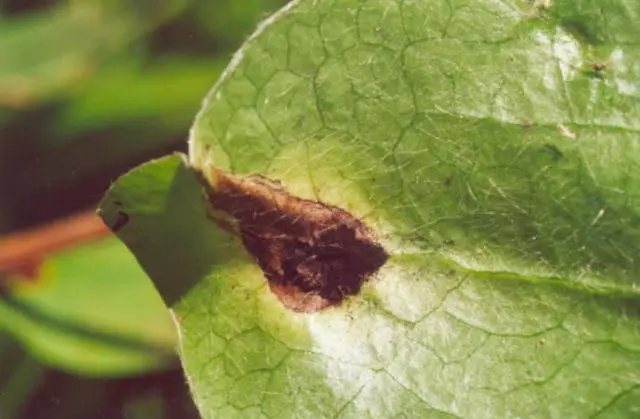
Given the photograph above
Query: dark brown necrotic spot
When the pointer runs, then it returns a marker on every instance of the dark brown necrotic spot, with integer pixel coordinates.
(313, 255)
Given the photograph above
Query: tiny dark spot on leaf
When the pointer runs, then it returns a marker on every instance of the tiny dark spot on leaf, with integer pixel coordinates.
(313, 255)
(121, 221)
(553, 151)
(596, 70)
(598, 66)
(117, 203)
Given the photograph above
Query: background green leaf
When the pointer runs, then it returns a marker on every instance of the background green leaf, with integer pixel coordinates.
(126, 330)
(42, 54)
(500, 171)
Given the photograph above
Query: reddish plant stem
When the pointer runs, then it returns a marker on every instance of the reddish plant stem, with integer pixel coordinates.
(23, 251)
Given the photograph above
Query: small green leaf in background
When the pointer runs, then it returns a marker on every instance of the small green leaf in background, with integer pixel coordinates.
(501, 177)
(44, 54)
(92, 311)
(161, 95)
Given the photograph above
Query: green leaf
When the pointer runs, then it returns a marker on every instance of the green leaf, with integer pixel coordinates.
(498, 167)
(44, 54)
(126, 93)
(93, 311)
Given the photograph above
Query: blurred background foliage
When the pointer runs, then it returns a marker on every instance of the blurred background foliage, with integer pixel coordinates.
(88, 90)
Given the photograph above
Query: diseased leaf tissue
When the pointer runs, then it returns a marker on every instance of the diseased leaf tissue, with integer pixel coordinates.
(313, 255)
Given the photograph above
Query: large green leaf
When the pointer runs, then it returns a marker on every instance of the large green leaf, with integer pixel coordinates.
(492, 146)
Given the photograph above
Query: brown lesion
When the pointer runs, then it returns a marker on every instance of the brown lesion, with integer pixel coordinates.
(313, 255)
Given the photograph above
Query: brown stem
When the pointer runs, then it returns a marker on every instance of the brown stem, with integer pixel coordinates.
(21, 251)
